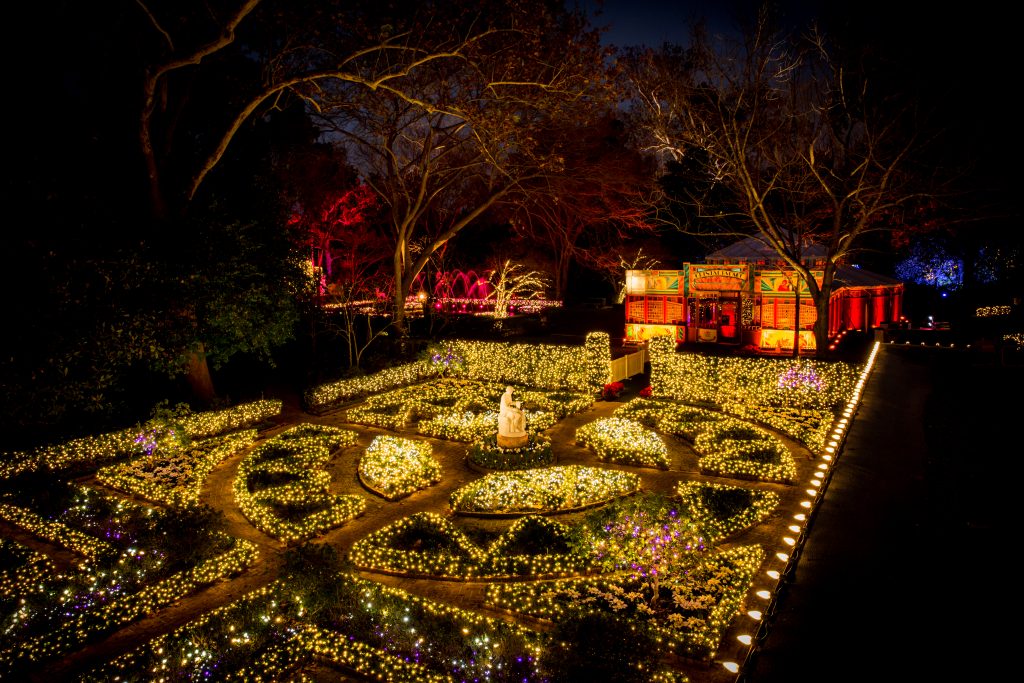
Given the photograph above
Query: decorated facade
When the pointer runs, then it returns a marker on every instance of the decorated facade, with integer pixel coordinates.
(744, 295)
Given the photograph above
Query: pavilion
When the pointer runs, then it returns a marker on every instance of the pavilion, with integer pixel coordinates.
(744, 294)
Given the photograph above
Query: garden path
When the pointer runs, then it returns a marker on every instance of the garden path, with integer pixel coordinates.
(217, 492)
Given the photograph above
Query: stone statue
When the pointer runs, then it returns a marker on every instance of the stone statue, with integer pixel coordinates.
(511, 422)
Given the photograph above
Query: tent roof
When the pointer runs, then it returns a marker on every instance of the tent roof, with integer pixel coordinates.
(755, 248)
(850, 276)
(846, 276)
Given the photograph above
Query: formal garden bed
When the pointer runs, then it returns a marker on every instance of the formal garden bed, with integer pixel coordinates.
(135, 560)
(725, 445)
(633, 575)
(557, 489)
(282, 487)
(429, 545)
(318, 614)
(174, 476)
(460, 409)
(89, 452)
(624, 442)
(393, 467)
(486, 455)
(662, 579)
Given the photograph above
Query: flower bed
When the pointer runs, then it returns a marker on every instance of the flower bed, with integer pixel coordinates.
(394, 468)
(624, 441)
(282, 490)
(174, 478)
(376, 631)
(141, 566)
(461, 410)
(725, 445)
(485, 453)
(733, 448)
(91, 451)
(542, 490)
(722, 510)
(688, 620)
(809, 427)
(428, 545)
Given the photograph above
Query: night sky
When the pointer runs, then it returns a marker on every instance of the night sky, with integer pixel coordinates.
(961, 63)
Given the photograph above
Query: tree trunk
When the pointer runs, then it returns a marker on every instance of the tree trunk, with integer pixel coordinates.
(821, 296)
(821, 324)
(400, 290)
(199, 378)
(796, 317)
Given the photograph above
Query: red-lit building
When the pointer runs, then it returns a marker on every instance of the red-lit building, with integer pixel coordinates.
(745, 295)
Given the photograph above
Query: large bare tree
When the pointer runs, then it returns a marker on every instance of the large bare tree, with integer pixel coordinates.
(600, 199)
(795, 147)
(448, 143)
(479, 76)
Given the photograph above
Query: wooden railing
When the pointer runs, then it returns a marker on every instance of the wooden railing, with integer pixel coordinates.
(629, 365)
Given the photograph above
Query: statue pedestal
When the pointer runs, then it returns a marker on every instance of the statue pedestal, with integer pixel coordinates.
(513, 441)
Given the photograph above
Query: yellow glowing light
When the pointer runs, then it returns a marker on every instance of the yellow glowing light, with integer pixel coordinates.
(731, 667)
(788, 540)
(745, 639)
(773, 574)
(754, 614)
(764, 595)
(782, 556)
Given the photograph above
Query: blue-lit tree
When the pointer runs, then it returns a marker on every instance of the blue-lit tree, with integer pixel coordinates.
(932, 264)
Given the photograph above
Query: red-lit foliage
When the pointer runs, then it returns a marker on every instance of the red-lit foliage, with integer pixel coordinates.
(343, 242)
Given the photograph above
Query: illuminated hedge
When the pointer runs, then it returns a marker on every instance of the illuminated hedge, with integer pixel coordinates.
(581, 369)
(176, 478)
(23, 570)
(119, 610)
(267, 634)
(690, 623)
(722, 510)
(578, 369)
(731, 447)
(248, 629)
(394, 467)
(327, 395)
(426, 544)
(115, 585)
(90, 451)
(213, 422)
(486, 453)
(809, 427)
(697, 378)
(282, 488)
(418, 404)
(57, 532)
(623, 441)
(725, 445)
(460, 409)
(542, 490)
(670, 416)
